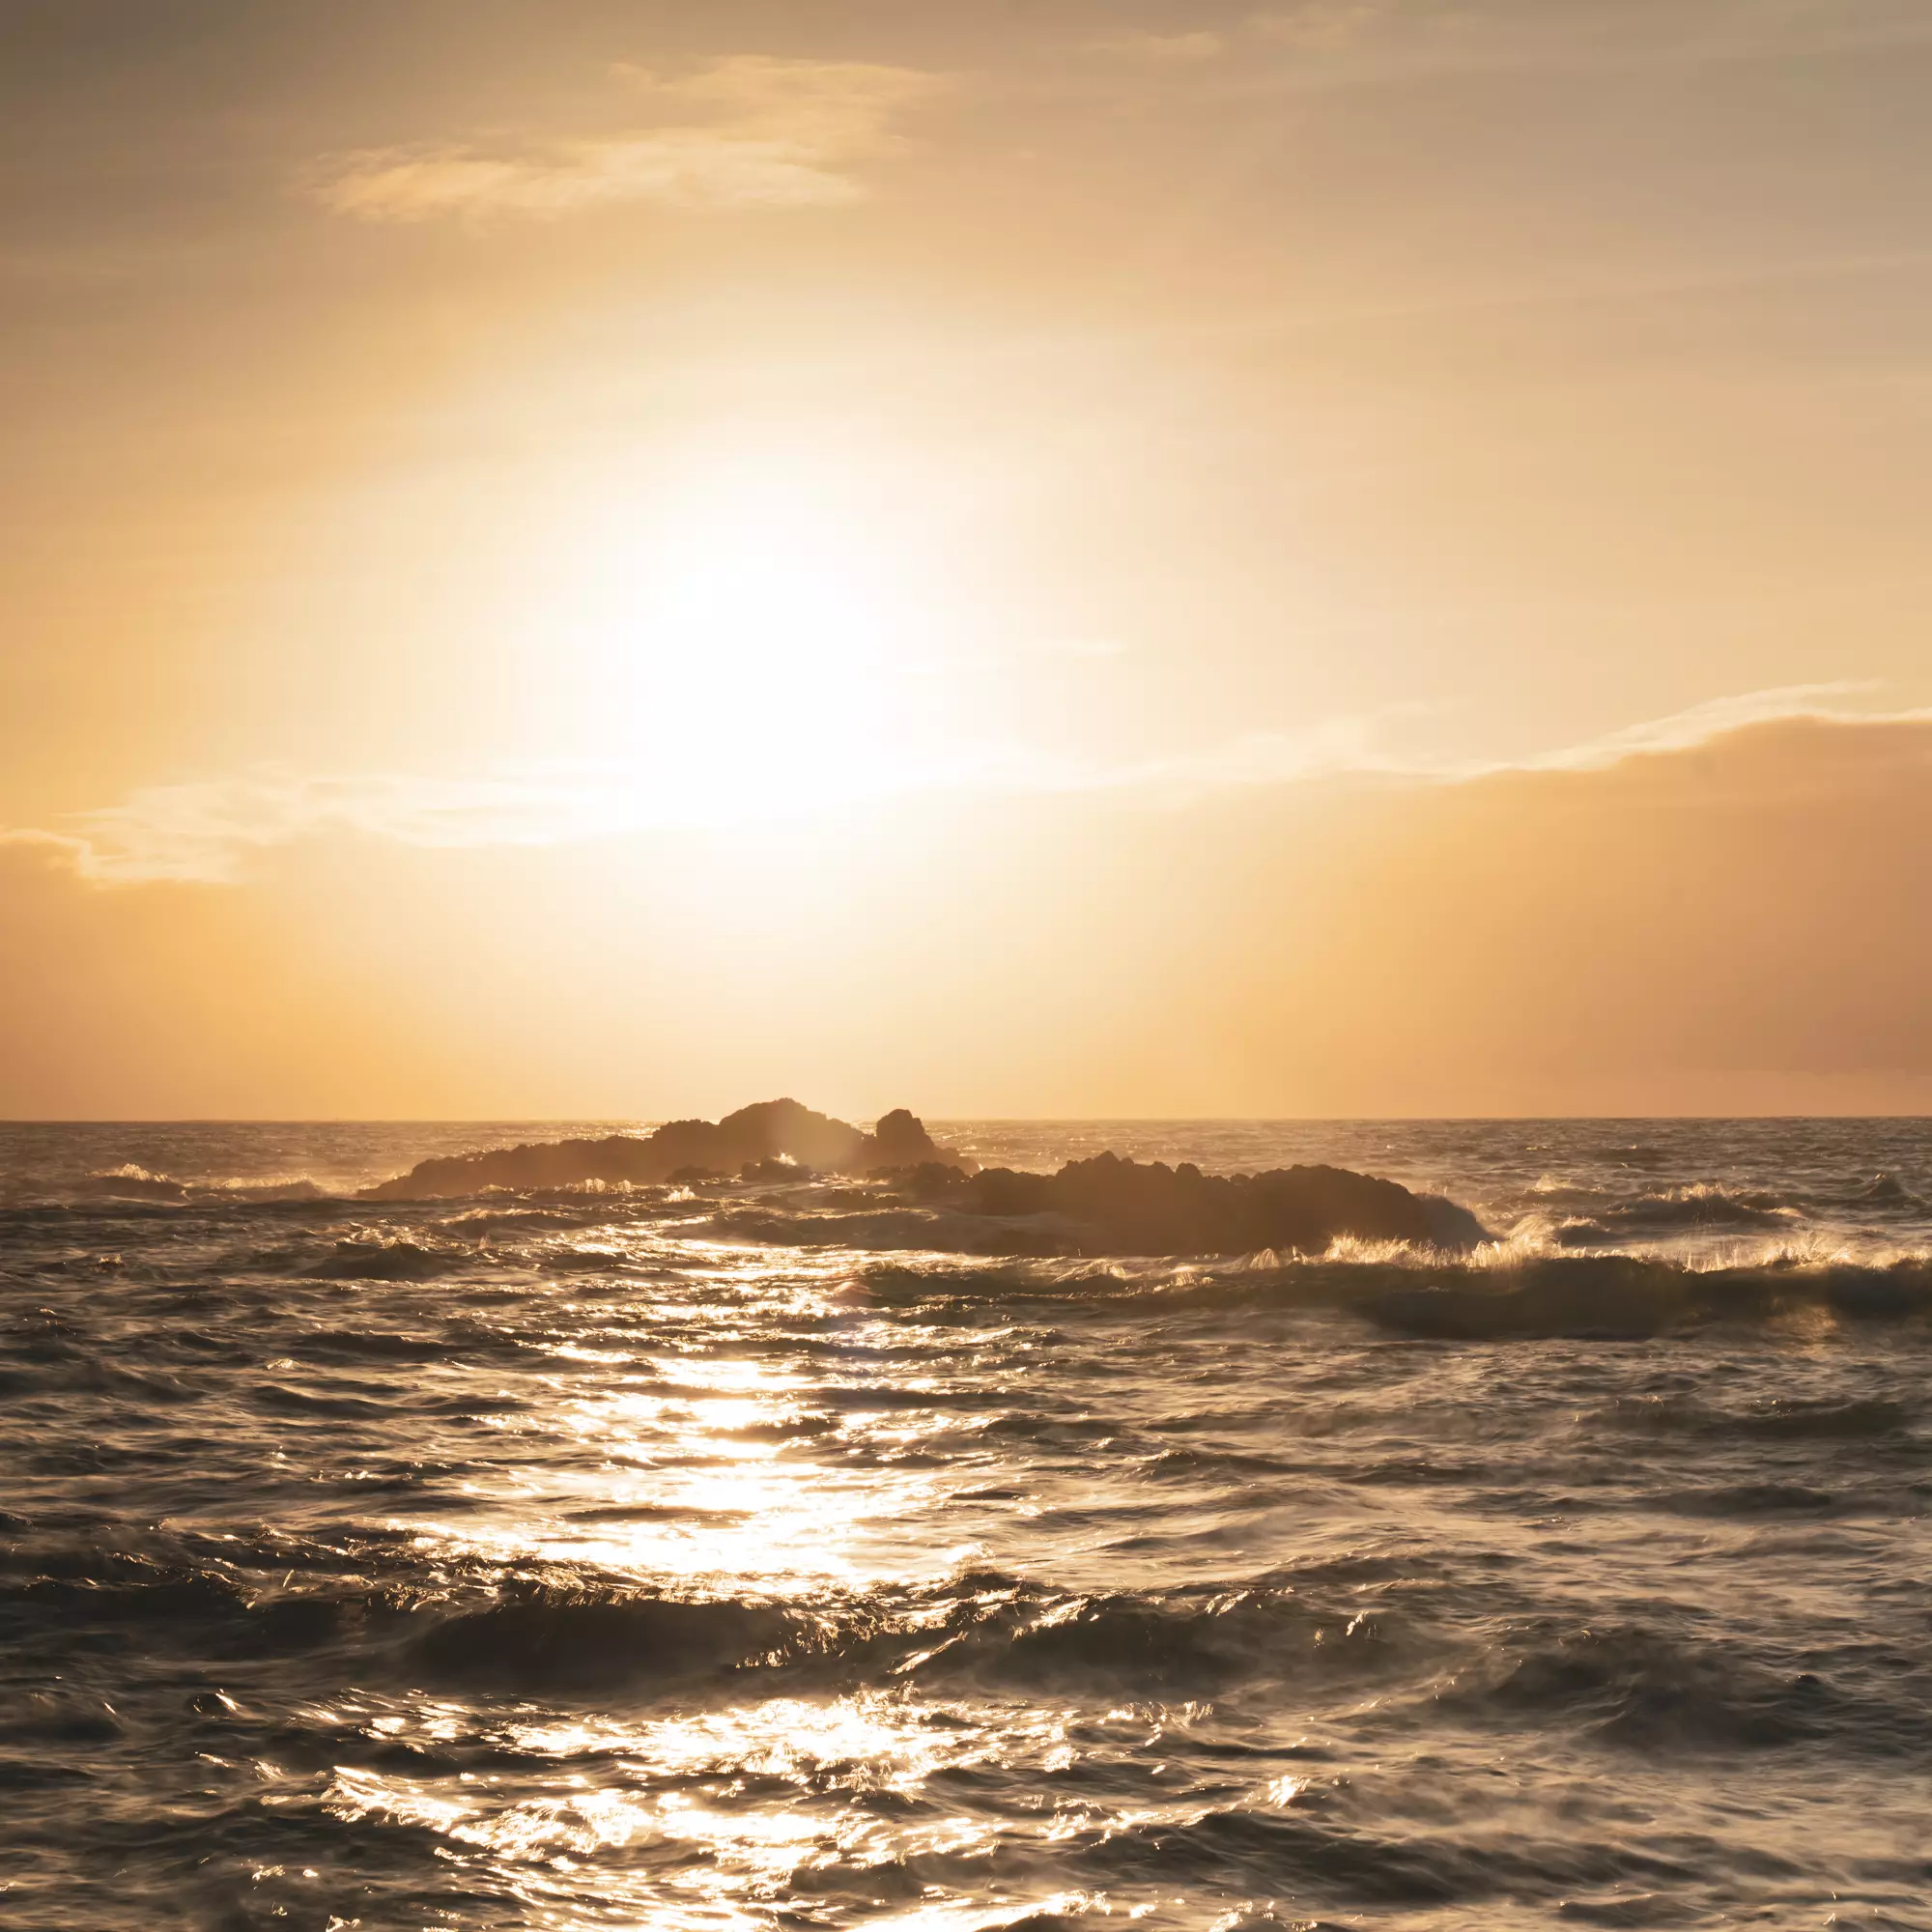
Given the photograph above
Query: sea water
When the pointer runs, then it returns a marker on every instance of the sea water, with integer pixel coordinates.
(723, 1557)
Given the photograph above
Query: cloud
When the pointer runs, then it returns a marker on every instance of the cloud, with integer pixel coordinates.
(840, 108)
(62, 850)
(1733, 925)
(1370, 39)
(207, 832)
(691, 168)
(1178, 48)
(1332, 747)
(1324, 23)
(1355, 745)
(213, 831)
(745, 132)
(1684, 729)
(1729, 923)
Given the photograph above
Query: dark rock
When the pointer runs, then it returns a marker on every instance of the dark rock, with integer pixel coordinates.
(1105, 1206)
(900, 1140)
(928, 1180)
(769, 1131)
(1125, 1206)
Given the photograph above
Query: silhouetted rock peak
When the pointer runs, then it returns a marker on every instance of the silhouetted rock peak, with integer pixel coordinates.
(770, 1136)
(900, 1140)
(1105, 1206)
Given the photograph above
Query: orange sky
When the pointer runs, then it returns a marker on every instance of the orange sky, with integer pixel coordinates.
(592, 558)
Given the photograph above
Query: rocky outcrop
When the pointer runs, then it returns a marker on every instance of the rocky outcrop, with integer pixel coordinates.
(1108, 1205)
(1105, 1206)
(773, 1131)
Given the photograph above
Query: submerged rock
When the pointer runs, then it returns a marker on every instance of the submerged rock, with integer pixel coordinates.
(777, 1134)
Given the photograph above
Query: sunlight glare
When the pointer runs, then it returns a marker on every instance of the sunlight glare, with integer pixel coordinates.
(744, 633)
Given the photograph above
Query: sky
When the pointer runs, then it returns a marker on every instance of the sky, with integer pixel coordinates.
(1332, 557)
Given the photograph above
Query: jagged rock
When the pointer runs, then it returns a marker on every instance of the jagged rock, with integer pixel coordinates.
(780, 1131)
(900, 1140)
(1111, 1206)
(927, 1179)
(1098, 1207)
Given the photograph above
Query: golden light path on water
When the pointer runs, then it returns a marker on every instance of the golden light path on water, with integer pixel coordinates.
(682, 1477)
(837, 1771)
(766, 1557)
(681, 1470)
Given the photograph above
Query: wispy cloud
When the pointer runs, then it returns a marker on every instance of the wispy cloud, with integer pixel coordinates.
(1324, 23)
(211, 831)
(1330, 748)
(60, 846)
(1699, 723)
(215, 831)
(1373, 39)
(1182, 49)
(836, 107)
(207, 831)
(744, 132)
(1358, 745)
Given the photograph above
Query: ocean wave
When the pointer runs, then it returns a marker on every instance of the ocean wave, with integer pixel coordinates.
(1499, 1294)
(1704, 1204)
(568, 1259)
(569, 1636)
(130, 1181)
(1617, 1298)
(1886, 1191)
(1749, 1501)
(401, 1259)
(1680, 1210)
(1348, 1867)
(1789, 1418)
(1637, 1689)
(754, 1548)
(559, 1638)
(1189, 1644)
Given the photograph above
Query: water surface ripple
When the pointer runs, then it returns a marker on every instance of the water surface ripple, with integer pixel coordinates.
(722, 1557)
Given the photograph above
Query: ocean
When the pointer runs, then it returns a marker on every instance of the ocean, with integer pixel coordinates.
(707, 1557)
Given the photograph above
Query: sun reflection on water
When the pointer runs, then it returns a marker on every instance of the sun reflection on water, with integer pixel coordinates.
(674, 1453)
(710, 1818)
(702, 1467)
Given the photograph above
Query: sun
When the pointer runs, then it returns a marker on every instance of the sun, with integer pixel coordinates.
(749, 629)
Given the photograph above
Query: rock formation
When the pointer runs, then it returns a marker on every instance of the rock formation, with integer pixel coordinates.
(772, 1132)
(1105, 1206)
(1110, 1205)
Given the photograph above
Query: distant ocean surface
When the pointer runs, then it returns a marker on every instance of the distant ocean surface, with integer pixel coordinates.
(691, 1559)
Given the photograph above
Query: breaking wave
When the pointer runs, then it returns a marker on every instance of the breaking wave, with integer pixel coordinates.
(795, 1549)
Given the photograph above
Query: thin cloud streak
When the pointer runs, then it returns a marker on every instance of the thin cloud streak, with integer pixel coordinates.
(209, 831)
(1166, 49)
(745, 132)
(1682, 730)
(1370, 43)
